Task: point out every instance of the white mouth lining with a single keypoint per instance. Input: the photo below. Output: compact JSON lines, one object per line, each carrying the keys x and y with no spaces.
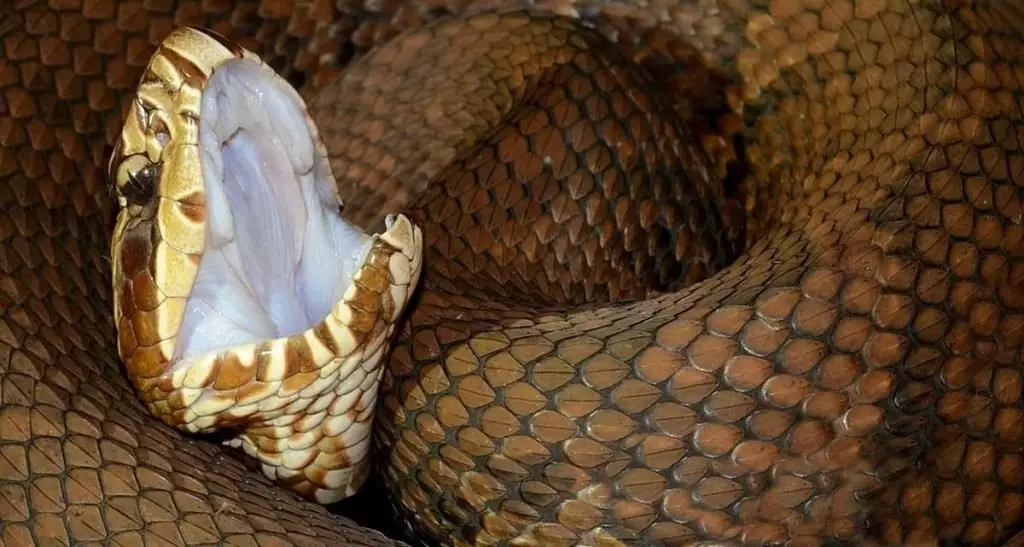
{"x":278,"y":256}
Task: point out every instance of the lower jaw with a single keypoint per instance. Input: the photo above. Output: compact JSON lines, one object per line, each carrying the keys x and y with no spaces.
{"x":303,"y":405}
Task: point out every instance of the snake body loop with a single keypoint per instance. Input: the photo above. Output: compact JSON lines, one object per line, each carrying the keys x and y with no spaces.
{"x":723,"y":272}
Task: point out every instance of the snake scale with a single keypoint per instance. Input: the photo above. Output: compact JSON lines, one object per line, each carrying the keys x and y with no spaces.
{"x":733,"y":272}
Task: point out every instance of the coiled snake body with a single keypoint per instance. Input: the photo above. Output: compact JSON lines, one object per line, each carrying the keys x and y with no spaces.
{"x":776,"y":301}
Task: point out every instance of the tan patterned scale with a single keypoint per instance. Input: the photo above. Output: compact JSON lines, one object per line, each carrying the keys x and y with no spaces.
{"x":303,"y":405}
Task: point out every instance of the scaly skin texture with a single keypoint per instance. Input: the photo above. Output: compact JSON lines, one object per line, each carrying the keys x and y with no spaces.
{"x":856,"y":373}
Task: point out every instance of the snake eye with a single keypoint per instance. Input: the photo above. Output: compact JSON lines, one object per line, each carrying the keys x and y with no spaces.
{"x":140,"y":186}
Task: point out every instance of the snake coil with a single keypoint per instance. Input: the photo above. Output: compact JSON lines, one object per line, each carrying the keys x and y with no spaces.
{"x":608,"y":345}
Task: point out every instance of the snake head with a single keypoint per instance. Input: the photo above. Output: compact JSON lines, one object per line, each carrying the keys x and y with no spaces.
{"x":242,"y":300}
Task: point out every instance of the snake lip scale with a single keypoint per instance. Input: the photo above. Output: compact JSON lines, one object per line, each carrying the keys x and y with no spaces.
{"x":300,"y":387}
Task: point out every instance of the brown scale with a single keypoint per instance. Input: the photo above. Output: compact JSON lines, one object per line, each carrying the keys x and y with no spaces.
{"x":578,"y":160}
{"x":857,"y":374}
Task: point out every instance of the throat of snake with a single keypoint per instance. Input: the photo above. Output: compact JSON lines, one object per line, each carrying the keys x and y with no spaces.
{"x":277,"y":255}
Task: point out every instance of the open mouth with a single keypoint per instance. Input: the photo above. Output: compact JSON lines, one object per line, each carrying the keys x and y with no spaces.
{"x":278,"y":255}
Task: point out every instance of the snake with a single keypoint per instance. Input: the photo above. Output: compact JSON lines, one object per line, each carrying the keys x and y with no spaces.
{"x":733,"y":272}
